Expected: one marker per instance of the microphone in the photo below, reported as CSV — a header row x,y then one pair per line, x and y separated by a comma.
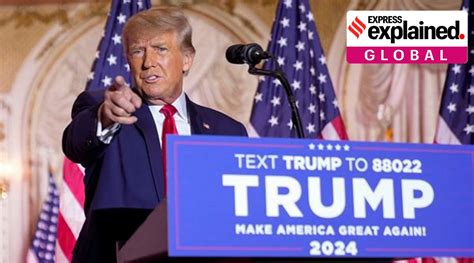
x,y
249,53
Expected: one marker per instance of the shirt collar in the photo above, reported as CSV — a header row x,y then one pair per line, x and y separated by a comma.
x,y
180,105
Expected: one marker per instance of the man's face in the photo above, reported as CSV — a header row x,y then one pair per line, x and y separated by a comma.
x,y
157,64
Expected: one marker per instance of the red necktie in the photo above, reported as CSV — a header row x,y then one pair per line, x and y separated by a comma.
x,y
169,127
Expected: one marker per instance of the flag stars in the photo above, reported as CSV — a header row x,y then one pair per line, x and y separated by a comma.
x,y
451,107
258,97
471,71
112,60
127,67
322,97
302,26
282,41
456,69
273,121
296,84
322,78
470,109
140,4
97,54
117,39
311,128
107,81
312,108
454,88
300,46
322,116
312,89
275,101
310,35
302,8
285,22
311,53
312,71
290,125
298,65
287,3
276,82
471,90
261,78
121,18
281,61
309,15
126,1
322,60
90,76
469,129
335,103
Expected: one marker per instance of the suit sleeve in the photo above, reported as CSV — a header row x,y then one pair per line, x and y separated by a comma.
x,y
80,142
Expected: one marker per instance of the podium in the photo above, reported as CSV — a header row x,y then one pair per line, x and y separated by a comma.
x,y
233,199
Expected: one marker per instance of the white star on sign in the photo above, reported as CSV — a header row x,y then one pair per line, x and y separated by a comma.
x,y
346,147
311,146
320,146
273,121
285,22
337,147
451,107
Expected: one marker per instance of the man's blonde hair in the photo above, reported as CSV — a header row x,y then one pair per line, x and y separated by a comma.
x,y
165,19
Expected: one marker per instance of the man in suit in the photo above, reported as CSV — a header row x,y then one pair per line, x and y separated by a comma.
x,y
117,134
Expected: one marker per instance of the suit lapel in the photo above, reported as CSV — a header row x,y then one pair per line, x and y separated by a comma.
x,y
199,124
146,125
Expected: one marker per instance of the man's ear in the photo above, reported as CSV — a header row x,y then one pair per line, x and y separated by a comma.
x,y
188,58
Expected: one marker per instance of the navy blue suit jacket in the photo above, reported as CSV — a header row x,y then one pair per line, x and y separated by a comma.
x,y
124,179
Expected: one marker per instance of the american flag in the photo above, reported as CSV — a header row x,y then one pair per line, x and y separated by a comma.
x,y
297,51
43,246
456,124
110,62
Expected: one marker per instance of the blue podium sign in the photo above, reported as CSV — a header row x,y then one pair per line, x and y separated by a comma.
x,y
267,197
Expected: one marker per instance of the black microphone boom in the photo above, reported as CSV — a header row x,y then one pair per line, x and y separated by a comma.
x,y
250,54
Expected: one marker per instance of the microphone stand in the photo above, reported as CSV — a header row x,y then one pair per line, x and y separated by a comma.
x,y
295,115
